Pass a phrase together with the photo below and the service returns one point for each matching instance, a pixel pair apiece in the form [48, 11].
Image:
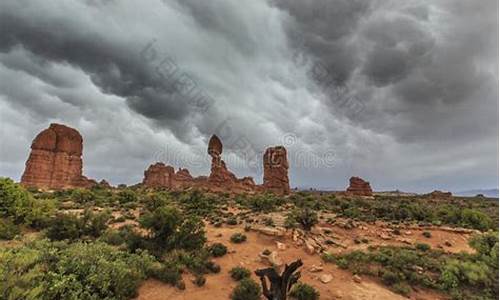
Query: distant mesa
[359, 187]
[55, 160]
[439, 195]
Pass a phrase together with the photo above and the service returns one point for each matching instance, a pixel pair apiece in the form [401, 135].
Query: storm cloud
[404, 94]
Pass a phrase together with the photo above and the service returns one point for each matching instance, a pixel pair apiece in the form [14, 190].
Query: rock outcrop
[359, 187]
[440, 195]
[219, 180]
[276, 170]
[55, 161]
[158, 175]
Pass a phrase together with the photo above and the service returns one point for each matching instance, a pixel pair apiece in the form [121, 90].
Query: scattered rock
[356, 279]
[273, 259]
[270, 231]
[325, 278]
[280, 246]
[309, 248]
[315, 269]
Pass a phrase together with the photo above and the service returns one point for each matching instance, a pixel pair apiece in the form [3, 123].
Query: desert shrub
[20, 205]
[217, 249]
[45, 270]
[70, 226]
[170, 229]
[126, 196]
[155, 200]
[65, 226]
[475, 219]
[239, 273]
[264, 203]
[402, 288]
[168, 272]
[213, 267]
[232, 221]
[82, 196]
[470, 275]
[196, 203]
[422, 247]
[302, 291]
[427, 234]
[238, 238]
[247, 289]
[306, 217]
[199, 280]
[113, 237]
[8, 230]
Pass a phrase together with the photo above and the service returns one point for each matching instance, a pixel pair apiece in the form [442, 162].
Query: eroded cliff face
[55, 160]
[359, 187]
[276, 170]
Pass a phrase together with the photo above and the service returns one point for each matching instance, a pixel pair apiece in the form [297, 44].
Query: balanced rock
[359, 187]
[55, 161]
[276, 170]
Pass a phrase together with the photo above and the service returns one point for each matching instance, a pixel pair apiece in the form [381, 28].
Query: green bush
[306, 217]
[8, 230]
[217, 249]
[169, 229]
[45, 270]
[475, 219]
[126, 196]
[199, 280]
[264, 203]
[422, 247]
[82, 196]
[21, 207]
[427, 234]
[70, 226]
[247, 289]
[168, 272]
[239, 273]
[302, 291]
[238, 238]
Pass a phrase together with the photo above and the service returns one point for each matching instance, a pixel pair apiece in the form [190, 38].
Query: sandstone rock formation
[359, 187]
[55, 161]
[219, 180]
[158, 175]
[276, 170]
[439, 195]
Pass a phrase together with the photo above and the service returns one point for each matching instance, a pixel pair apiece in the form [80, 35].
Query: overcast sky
[401, 93]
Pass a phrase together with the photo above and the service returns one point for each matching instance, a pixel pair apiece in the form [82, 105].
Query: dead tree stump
[280, 285]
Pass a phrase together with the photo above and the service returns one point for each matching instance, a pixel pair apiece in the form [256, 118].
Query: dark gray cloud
[404, 94]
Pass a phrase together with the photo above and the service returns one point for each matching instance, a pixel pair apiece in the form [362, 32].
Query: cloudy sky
[401, 93]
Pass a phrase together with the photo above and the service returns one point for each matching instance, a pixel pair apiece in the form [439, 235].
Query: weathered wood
[280, 285]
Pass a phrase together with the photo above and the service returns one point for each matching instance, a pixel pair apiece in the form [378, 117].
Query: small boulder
[315, 269]
[356, 279]
[325, 278]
